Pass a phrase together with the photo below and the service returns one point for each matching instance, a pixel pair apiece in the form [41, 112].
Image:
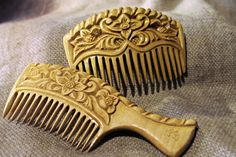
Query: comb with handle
[82, 109]
[132, 46]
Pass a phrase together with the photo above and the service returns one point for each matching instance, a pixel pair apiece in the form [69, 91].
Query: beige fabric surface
[32, 31]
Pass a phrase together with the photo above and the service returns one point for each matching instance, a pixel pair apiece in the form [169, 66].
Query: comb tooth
[93, 62]
[54, 114]
[123, 72]
[101, 68]
[167, 61]
[49, 113]
[67, 117]
[87, 68]
[108, 67]
[85, 134]
[136, 67]
[10, 104]
[80, 65]
[155, 62]
[58, 119]
[129, 66]
[90, 137]
[150, 70]
[93, 142]
[19, 107]
[38, 110]
[171, 54]
[161, 61]
[78, 124]
[26, 107]
[115, 68]
[143, 66]
[43, 112]
[177, 61]
[69, 126]
[31, 108]
[14, 105]
[80, 131]
[182, 61]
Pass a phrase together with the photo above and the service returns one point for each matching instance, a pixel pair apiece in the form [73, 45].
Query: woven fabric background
[32, 32]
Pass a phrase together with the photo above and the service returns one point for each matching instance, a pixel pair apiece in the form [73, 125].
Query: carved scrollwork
[116, 29]
[78, 86]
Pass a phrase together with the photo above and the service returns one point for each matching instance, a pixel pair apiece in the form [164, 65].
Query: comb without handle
[82, 109]
[130, 46]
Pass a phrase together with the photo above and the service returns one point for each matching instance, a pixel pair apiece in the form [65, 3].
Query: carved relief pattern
[135, 27]
[85, 89]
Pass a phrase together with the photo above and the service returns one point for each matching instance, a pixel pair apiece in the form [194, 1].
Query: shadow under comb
[129, 46]
[82, 109]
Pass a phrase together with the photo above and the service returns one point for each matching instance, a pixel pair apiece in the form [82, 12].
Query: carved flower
[92, 35]
[125, 25]
[35, 73]
[107, 101]
[70, 82]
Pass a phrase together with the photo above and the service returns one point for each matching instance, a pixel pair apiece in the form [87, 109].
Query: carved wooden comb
[83, 109]
[128, 45]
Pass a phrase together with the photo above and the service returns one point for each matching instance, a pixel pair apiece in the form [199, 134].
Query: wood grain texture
[136, 38]
[82, 109]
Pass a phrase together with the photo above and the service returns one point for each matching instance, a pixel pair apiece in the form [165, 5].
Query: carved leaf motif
[112, 32]
[77, 86]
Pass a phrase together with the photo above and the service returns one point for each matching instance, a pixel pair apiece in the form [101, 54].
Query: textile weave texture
[32, 32]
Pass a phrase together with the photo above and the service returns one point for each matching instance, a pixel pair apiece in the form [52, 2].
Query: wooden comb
[82, 109]
[129, 45]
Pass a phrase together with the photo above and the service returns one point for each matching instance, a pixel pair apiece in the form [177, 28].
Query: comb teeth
[161, 65]
[43, 112]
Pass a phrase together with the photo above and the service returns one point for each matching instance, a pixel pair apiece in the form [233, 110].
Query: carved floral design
[78, 86]
[107, 101]
[124, 25]
[70, 82]
[130, 27]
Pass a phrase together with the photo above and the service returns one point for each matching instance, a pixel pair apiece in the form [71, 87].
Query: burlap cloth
[32, 31]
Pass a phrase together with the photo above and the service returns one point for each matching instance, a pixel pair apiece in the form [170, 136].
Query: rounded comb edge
[113, 33]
